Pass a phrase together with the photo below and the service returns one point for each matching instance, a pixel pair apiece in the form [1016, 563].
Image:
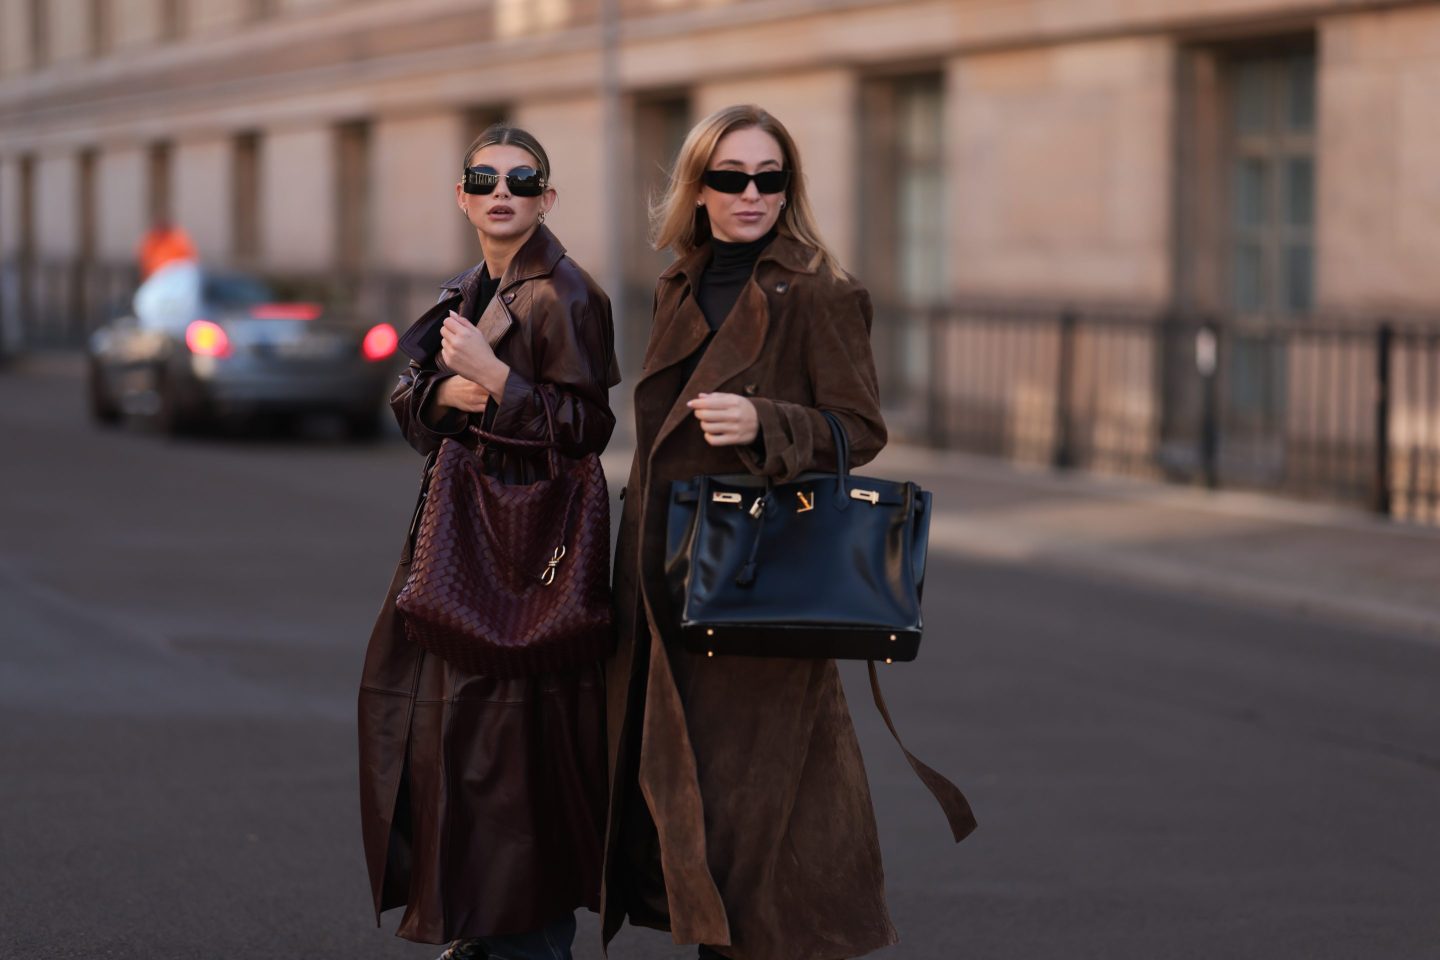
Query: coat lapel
[736, 346]
[739, 340]
[536, 258]
[687, 329]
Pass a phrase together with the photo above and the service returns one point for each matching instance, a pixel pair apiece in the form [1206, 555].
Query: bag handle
[842, 459]
[552, 459]
[549, 446]
[746, 576]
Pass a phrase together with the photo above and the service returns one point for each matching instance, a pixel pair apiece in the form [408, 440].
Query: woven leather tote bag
[511, 579]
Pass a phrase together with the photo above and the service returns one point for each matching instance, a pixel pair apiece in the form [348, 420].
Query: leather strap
[951, 800]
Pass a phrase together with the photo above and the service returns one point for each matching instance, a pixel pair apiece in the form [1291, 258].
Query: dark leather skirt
[483, 799]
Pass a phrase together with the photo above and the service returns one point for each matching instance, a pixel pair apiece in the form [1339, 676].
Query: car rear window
[236, 291]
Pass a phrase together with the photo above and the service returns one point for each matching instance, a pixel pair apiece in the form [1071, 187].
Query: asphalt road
[1156, 775]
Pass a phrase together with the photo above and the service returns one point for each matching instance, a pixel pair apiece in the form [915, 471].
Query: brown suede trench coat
[482, 799]
[740, 811]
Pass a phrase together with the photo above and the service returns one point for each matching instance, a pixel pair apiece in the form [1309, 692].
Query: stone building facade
[1260, 159]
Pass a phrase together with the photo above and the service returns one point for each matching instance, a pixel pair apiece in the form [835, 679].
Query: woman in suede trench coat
[740, 814]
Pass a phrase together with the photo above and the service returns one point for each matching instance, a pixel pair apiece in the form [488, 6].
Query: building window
[158, 199]
[479, 119]
[26, 239]
[172, 19]
[902, 179]
[1270, 181]
[900, 189]
[90, 302]
[353, 193]
[101, 28]
[476, 120]
[39, 34]
[89, 203]
[245, 198]
[661, 121]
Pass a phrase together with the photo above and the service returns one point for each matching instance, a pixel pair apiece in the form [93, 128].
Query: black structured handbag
[824, 566]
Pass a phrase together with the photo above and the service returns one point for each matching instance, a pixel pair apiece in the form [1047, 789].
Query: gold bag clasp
[548, 577]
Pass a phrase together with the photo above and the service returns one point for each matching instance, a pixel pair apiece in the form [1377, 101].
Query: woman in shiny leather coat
[482, 799]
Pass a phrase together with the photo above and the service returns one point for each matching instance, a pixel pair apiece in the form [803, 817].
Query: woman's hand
[728, 419]
[459, 393]
[464, 350]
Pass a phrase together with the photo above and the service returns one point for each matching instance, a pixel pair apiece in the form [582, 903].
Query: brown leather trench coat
[482, 799]
[740, 811]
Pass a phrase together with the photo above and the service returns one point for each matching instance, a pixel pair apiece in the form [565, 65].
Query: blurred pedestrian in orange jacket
[163, 243]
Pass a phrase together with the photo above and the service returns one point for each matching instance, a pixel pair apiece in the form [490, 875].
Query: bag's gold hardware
[548, 577]
[805, 505]
[726, 498]
[869, 496]
[757, 508]
[710, 653]
[710, 631]
[888, 660]
[892, 638]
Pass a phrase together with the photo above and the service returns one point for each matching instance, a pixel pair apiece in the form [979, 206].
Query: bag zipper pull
[758, 507]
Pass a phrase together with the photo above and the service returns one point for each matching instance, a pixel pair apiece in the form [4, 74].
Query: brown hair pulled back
[502, 134]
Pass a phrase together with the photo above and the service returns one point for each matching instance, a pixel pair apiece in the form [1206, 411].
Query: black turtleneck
[486, 288]
[729, 269]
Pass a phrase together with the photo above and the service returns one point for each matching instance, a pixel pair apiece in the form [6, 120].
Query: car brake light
[286, 311]
[380, 342]
[206, 339]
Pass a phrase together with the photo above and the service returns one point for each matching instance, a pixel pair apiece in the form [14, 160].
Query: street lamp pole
[611, 164]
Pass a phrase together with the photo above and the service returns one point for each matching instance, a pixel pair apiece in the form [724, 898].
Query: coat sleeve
[412, 402]
[575, 368]
[793, 437]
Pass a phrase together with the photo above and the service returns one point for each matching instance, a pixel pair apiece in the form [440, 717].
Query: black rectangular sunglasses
[522, 181]
[735, 181]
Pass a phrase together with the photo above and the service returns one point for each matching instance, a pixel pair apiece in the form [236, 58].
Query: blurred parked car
[202, 346]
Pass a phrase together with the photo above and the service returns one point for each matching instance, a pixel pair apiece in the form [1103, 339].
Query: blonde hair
[678, 224]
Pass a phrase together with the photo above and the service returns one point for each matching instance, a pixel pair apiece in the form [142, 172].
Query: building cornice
[377, 57]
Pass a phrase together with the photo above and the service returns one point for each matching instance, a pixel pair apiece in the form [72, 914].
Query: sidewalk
[1308, 558]
[1303, 557]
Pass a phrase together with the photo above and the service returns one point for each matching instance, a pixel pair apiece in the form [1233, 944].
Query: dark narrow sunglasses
[735, 181]
[522, 181]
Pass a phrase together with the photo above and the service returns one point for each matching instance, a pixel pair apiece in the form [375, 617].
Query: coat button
[782, 286]
[509, 297]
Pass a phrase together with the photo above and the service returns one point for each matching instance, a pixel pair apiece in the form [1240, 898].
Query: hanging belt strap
[951, 800]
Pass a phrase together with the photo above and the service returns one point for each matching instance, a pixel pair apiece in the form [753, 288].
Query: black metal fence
[1347, 411]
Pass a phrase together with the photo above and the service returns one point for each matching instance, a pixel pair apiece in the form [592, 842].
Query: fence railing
[1347, 411]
